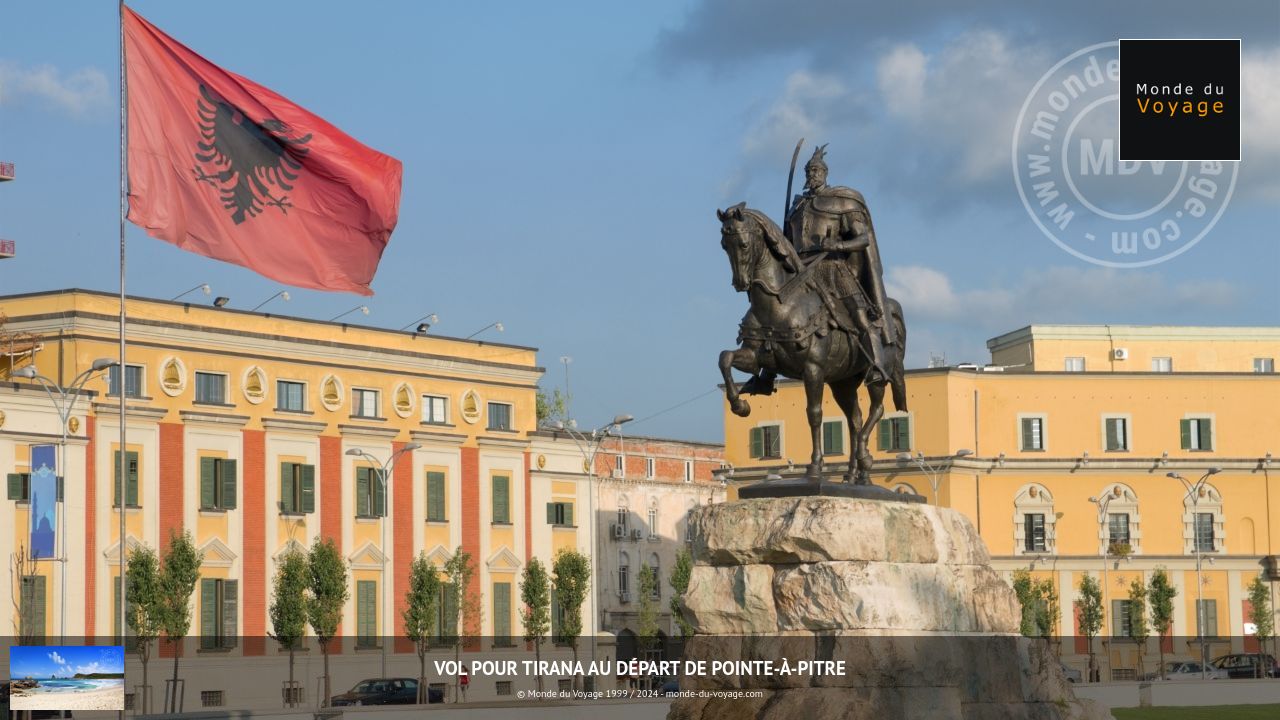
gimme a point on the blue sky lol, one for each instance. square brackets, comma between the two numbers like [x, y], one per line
[563, 162]
[64, 661]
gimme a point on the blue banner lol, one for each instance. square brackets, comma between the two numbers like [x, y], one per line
[44, 500]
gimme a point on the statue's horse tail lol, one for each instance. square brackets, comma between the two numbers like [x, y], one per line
[897, 379]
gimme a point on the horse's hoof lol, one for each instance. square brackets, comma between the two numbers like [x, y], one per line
[740, 407]
[864, 478]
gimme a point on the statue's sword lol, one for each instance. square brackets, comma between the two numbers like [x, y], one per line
[786, 208]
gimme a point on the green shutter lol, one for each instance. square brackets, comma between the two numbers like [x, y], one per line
[115, 479]
[229, 484]
[1113, 435]
[62, 486]
[362, 492]
[308, 488]
[568, 514]
[1206, 433]
[366, 612]
[1184, 427]
[450, 610]
[31, 610]
[832, 438]
[208, 614]
[435, 496]
[551, 513]
[15, 486]
[286, 488]
[1028, 434]
[501, 498]
[230, 614]
[208, 483]
[757, 442]
[378, 488]
[901, 433]
[502, 613]
[131, 489]
[883, 439]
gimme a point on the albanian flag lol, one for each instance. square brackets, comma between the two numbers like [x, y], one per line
[223, 167]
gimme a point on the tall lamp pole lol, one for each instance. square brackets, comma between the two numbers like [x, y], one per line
[64, 401]
[1102, 504]
[589, 453]
[934, 474]
[382, 470]
[1193, 492]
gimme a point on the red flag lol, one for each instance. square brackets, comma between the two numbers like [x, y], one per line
[223, 167]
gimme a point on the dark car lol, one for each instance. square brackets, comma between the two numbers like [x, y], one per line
[1248, 665]
[385, 691]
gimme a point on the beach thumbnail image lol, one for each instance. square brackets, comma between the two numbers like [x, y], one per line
[66, 677]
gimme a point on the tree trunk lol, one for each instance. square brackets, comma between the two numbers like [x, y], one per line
[1161, 668]
[143, 655]
[177, 653]
[575, 662]
[457, 657]
[324, 650]
[537, 654]
[424, 695]
[292, 698]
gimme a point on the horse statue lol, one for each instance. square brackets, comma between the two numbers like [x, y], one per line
[793, 330]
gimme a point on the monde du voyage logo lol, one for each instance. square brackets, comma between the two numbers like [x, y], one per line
[1123, 152]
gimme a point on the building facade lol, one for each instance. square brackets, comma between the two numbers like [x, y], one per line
[1060, 454]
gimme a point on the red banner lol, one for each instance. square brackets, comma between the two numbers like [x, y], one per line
[223, 167]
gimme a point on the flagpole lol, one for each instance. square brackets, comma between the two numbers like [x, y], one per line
[121, 374]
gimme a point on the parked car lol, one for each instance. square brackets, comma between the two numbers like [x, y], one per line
[1187, 670]
[668, 686]
[1246, 665]
[1072, 674]
[385, 691]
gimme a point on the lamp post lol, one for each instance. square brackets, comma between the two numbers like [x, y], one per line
[382, 470]
[495, 325]
[1193, 491]
[589, 460]
[1102, 504]
[202, 286]
[64, 401]
[934, 474]
[283, 295]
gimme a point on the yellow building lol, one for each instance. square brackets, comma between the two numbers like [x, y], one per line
[1068, 462]
[259, 434]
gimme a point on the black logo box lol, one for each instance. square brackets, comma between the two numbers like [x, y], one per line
[1187, 68]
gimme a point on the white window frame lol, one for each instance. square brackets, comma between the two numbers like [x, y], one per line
[1264, 364]
[911, 430]
[649, 467]
[782, 441]
[357, 405]
[1156, 362]
[1128, 431]
[427, 409]
[511, 416]
[124, 380]
[1195, 435]
[1042, 504]
[688, 471]
[305, 394]
[1044, 431]
[653, 523]
[226, 383]
[1067, 363]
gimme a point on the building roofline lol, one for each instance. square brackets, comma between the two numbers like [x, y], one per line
[1219, 333]
[554, 434]
[1094, 375]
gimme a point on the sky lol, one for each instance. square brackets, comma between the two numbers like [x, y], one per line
[563, 162]
[64, 660]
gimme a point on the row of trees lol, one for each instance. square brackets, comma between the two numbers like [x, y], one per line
[1150, 610]
[159, 603]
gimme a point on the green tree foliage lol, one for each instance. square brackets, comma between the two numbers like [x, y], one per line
[1090, 607]
[421, 602]
[1139, 629]
[1160, 594]
[288, 609]
[328, 594]
[571, 578]
[1260, 613]
[1039, 602]
[535, 594]
[145, 609]
[553, 406]
[180, 571]
[647, 612]
[681, 571]
[460, 569]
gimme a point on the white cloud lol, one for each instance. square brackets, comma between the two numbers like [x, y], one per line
[901, 76]
[1259, 119]
[54, 656]
[94, 667]
[76, 93]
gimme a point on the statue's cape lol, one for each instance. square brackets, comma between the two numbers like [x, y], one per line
[839, 200]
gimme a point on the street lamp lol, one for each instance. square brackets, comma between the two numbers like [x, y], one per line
[64, 401]
[202, 286]
[934, 474]
[424, 323]
[495, 325]
[1193, 491]
[589, 458]
[1102, 504]
[382, 470]
[361, 308]
[283, 295]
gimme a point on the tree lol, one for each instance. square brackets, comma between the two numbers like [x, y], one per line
[178, 577]
[681, 571]
[553, 406]
[535, 593]
[329, 593]
[1090, 607]
[144, 609]
[23, 566]
[1260, 613]
[462, 607]
[571, 573]
[1161, 594]
[420, 613]
[288, 609]
[647, 612]
[1139, 630]
[1039, 601]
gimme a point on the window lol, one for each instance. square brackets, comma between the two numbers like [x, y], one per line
[688, 471]
[502, 614]
[446, 615]
[1074, 364]
[1118, 529]
[499, 416]
[1196, 433]
[217, 484]
[623, 514]
[1205, 541]
[364, 403]
[32, 610]
[653, 523]
[564, 685]
[895, 434]
[218, 613]
[131, 485]
[766, 441]
[211, 388]
[211, 698]
[366, 613]
[1033, 535]
[371, 493]
[132, 380]
[20, 486]
[501, 499]
[1264, 365]
[1207, 618]
[435, 409]
[557, 619]
[1117, 433]
[435, 497]
[502, 687]
[649, 468]
[1162, 364]
[833, 438]
[1120, 618]
[619, 465]
[297, 488]
[624, 581]
[560, 513]
[657, 578]
[1032, 434]
[291, 396]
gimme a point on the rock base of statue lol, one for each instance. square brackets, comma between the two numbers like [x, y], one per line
[804, 487]
[903, 594]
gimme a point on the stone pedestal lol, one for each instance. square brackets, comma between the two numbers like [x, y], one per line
[903, 594]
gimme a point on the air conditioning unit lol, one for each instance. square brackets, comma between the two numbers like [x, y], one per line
[619, 474]
[624, 596]
[1120, 354]
[1271, 568]
[619, 531]
[636, 534]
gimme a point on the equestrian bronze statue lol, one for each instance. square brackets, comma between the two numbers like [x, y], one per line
[818, 314]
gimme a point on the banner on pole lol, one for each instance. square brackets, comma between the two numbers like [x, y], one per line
[44, 501]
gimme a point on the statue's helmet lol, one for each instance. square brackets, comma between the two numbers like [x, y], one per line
[817, 160]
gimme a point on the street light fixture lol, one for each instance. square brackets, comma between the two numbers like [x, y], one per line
[201, 286]
[362, 308]
[221, 301]
[495, 325]
[283, 295]
[424, 323]
[933, 473]
[382, 470]
[1103, 503]
[1193, 491]
[64, 401]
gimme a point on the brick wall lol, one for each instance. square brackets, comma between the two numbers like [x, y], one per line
[331, 503]
[470, 458]
[253, 521]
[172, 480]
[402, 540]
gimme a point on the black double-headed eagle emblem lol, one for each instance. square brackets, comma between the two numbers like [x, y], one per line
[245, 159]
